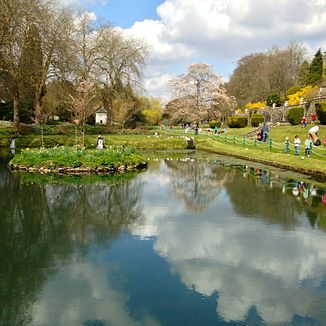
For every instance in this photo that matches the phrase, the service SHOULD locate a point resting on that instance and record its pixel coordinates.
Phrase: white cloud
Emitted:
(83, 292)
(218, 31)
(220, 254)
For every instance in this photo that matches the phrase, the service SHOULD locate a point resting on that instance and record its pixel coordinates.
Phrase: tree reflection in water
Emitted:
(41, 225)
(196, 183)
(49, 229)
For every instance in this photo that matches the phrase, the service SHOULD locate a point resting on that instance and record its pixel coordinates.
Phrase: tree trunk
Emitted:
(37, 102)
(37, 110)
(16, 102)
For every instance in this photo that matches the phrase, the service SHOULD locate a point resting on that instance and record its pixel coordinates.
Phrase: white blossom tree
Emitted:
(83, 103)
(198, 94)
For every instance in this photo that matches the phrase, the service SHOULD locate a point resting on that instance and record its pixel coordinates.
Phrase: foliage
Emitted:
(295, 115)
(304, 74)
(316, 68)
(77, 156)
(214, 123)
(321, 112)
(151, 109)
(256, 105)
(126, 107)
(55, 101)
(305, 92)
(237, 121)
(292, 90)
(274, 99)
(6, 111)
(256, 119)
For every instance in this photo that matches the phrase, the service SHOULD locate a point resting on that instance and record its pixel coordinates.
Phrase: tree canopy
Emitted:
(198, 94)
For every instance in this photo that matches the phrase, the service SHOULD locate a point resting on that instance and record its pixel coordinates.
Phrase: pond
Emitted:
(187, 242)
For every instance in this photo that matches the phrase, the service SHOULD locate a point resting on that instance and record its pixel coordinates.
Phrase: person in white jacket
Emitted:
(297, 143)
(313, 131)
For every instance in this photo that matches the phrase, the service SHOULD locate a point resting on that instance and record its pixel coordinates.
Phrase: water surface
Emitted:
(185, 243)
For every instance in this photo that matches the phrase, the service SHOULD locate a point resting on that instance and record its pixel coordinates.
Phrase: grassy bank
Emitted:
(56, 158)
(173, 139)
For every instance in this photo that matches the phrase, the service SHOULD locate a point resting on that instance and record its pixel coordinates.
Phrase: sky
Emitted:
(217, 32)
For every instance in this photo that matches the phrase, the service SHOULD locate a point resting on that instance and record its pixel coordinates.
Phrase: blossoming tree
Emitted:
(199, 94)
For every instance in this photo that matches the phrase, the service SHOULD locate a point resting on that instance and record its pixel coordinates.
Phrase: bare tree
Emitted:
(55, 28)
(196, 94)
(106, 55)
(121, 61)
(260, 74)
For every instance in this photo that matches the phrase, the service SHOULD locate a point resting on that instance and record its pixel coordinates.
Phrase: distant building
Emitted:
(101, 116)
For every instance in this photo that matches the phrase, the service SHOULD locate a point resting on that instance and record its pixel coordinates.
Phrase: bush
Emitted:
(274, 98)
(295, 115)
(256, 119)
(321, 112)
(292, 90)
(214, 123)
(237, 121)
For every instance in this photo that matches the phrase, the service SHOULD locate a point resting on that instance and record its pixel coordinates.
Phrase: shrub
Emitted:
(274, 98)
(321, 112)
(237, 121)
(214, 123)
(256, 119)
(292, 90)
(24, 129)
(295, 115)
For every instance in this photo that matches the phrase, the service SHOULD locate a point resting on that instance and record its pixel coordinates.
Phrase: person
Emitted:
(324, 141)
(286, 145)
(313, 133)
(215, 130)
(100, 142)
(297, 143)
(259, 135)
(304, 121)
(307, 146)
(313, 117)
(264, 130)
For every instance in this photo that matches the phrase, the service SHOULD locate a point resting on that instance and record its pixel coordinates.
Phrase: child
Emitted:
(286, 145)
(307, 146)
(304, 121)
(297, 143)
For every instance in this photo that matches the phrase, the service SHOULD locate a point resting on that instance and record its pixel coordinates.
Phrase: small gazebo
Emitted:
(101, 116)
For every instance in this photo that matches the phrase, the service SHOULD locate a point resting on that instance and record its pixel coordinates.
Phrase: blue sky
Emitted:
(125, 13)
(217, 32)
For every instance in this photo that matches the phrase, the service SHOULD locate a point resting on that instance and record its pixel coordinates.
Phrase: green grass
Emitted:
(74, 157)
(173, 139)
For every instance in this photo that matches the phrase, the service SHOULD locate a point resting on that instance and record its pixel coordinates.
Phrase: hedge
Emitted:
(321, 112)
(256, 119)
(295, 115)
(237, 121)
(214, 123)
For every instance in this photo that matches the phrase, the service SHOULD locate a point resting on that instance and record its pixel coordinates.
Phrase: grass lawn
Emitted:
(173, 139)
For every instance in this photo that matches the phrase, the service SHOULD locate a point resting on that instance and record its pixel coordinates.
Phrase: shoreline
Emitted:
(78, 170)
(318, 175)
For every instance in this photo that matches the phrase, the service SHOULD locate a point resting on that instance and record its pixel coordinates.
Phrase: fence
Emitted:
(317, 152)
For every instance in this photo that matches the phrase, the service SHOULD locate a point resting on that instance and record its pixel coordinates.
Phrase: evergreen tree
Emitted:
(304, 74)
(316, 68)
